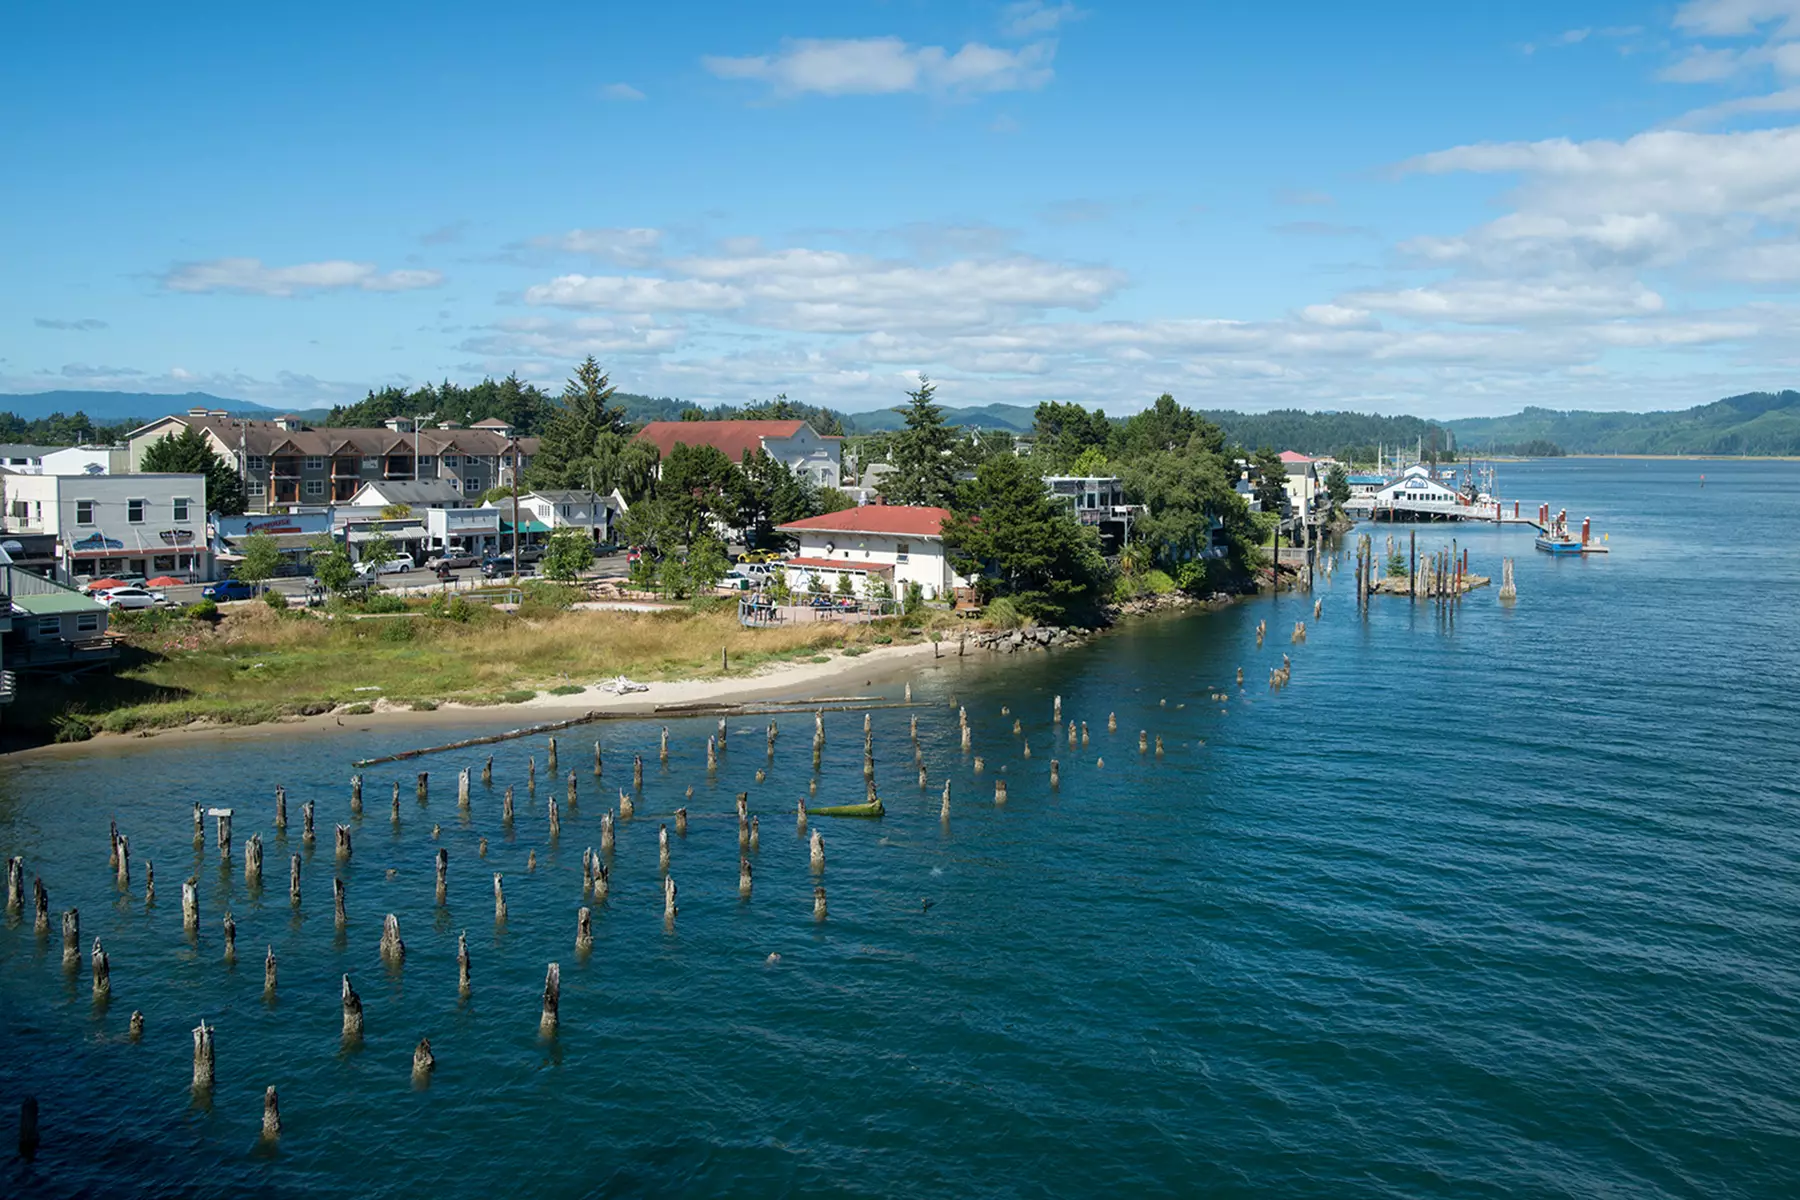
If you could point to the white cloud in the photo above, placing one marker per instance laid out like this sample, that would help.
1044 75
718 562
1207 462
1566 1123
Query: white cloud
620 91
634 293
78 325
251 276
1702 65
626 247
1509 302
1034 18
884 65
1737 18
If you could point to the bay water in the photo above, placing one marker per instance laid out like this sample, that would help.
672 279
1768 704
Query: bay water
1494 904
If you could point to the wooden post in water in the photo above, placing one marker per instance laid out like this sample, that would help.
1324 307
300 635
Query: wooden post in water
722 735
571 791
681 822
597 760
506 807
190 905
393 950
462 963
203 1058
280 807
1000 791
584 930
817 851
637 771
396 817
353 1012
124 863
662 848
294 881
41 901
269 973
499 901
271 1126
462 789
149 882
819 910
550 758
443 875
343 842
199 826
424 786
606 833
15 884
306 823
253 860
356 794
102 974
487 771
1412 569
223 834
230 937
71 929
552 1001
555 820
337 904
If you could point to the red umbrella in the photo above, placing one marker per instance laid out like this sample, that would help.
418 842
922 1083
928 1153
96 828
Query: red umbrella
166 581
100 585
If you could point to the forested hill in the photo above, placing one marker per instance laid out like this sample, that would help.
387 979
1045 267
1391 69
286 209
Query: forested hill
1754 423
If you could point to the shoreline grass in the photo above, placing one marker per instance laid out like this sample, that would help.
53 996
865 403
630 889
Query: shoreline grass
257 664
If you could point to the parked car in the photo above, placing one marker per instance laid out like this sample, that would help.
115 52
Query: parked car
131 598
452 560
502 567
228 589
393 566
759 556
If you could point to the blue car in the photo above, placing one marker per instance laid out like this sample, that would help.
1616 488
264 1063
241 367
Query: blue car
229 589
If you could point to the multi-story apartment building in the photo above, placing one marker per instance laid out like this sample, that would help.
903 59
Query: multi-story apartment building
285 462
113 524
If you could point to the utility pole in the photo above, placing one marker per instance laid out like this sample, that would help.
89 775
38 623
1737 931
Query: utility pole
515 508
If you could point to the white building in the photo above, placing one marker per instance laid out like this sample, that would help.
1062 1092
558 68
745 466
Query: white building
896 544
1416 491
417 495
65 460
568 508
115 524
1305 487
471 530
790 443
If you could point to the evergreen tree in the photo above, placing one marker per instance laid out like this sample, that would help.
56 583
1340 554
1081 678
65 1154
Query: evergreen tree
190 452
1271 480
585 436
1030 547
924 465
1337 485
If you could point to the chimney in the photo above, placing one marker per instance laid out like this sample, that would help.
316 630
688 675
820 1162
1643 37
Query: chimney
288 422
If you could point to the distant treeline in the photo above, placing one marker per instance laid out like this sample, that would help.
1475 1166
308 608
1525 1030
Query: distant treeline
1754 423
61 429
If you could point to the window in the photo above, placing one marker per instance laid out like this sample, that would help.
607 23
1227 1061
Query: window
426 462
84 512
134 511
315 462
37 511
900 552
450 460
472 487
49 626
180 507
371 462
315 487
254 488
255 462
87 623
19 510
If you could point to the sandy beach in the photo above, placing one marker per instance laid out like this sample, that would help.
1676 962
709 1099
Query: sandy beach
881 666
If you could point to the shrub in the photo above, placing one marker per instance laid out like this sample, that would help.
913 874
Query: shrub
1002 613
517 696
820 658
201 610
396 631
1157 583
361 709
72 726
447 606
383 602
882 639
422 705
566 689
274 599
855 651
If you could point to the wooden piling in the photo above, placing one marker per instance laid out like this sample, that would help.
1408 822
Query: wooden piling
253 861
1055 774
337 904
424 1061
597 760
190 905
637 772
230 924
819 910
353 1012
199 826
124 865
547 1023
269 973
506 807
396 816
343 842
443 875
271 1126
555 820
499 901
15 884
999 791
102 967
662 848
294 881
393 950
462 789
550 757
816 855
134 1028
71 929
572 804
424 787
203 1058
462 963
222 835
280 807
606 833
306 823
681 822
356 795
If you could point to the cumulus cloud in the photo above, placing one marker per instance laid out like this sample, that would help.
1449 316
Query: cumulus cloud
884 65
1034 18
1508 302
251 276
1738 18
620 91
79 325
624 247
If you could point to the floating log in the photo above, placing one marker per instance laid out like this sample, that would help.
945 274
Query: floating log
443 875
353 1012
102 973
462 963
499 901
552 1000
818 903
294 881
203 1057
486 740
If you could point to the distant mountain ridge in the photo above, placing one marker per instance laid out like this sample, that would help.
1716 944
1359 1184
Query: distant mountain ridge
105 408
1753 423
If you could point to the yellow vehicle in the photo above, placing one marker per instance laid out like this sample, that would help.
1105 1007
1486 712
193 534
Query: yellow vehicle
759 556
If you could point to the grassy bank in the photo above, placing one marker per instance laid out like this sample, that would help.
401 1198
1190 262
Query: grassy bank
257 664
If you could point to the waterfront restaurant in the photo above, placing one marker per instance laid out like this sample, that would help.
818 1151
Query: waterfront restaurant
895 544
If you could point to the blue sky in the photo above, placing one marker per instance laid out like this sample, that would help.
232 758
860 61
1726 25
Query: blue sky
1407 207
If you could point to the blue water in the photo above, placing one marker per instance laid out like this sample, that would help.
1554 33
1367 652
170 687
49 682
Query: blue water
1503 905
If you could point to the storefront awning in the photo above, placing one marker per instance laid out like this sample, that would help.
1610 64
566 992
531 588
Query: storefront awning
403 533
285 542
526 526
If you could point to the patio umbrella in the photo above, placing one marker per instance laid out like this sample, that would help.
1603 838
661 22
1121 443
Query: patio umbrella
166 581
100 585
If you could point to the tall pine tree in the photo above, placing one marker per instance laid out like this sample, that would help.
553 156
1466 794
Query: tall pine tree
923 454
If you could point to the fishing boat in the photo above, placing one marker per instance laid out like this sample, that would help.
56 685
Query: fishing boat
1556 538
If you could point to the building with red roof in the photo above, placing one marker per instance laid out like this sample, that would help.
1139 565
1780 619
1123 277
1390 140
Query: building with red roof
794 444
877 544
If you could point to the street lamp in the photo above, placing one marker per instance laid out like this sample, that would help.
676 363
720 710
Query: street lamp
416 419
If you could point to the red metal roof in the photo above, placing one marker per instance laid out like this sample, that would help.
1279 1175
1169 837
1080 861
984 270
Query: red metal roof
839 564
733 438
904 520
1292 456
